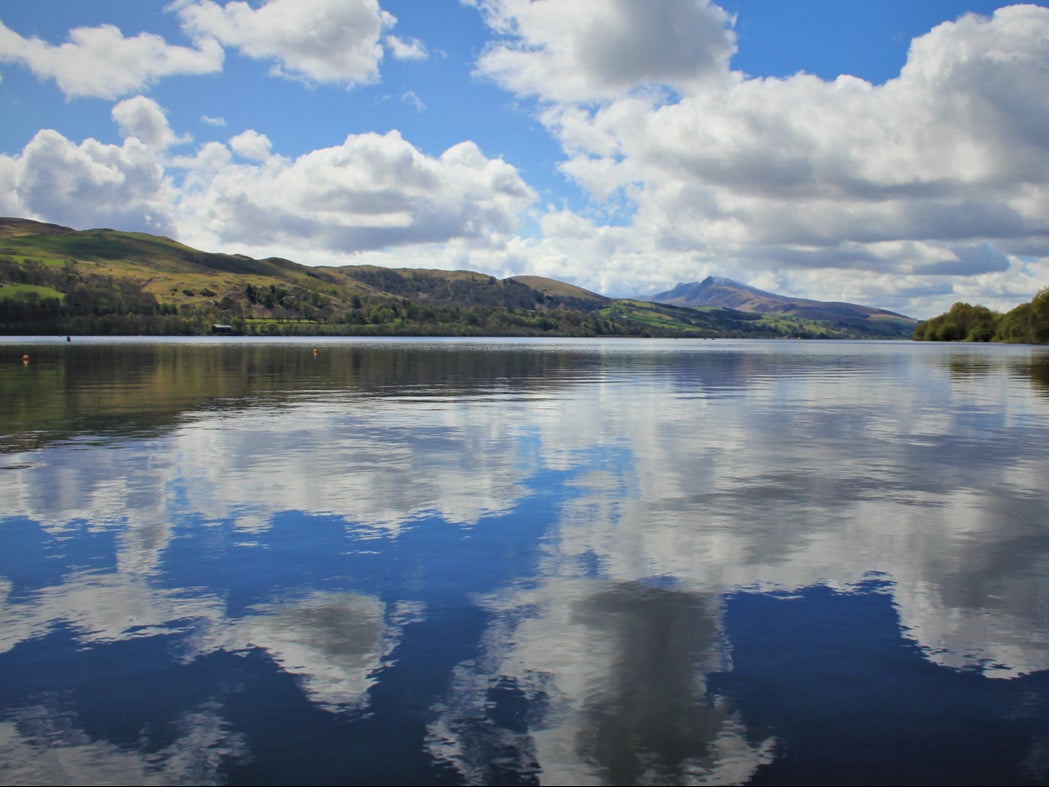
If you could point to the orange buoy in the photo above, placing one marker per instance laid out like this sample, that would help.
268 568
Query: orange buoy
314 350
25 360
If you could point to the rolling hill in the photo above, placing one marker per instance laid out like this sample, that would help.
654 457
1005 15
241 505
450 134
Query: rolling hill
57 280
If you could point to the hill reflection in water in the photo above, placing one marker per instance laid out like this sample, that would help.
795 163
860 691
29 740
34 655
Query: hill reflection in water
517 562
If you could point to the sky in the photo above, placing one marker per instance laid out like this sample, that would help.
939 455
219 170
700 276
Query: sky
887 152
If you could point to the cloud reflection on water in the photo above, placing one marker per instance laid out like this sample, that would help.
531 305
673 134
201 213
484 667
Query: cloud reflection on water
335 642
684 476
619 671
44 745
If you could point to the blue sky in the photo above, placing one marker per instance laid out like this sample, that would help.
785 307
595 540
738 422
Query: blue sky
888 153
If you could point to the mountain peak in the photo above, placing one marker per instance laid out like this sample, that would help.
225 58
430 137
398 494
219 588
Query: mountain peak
721 292
712 291
723 281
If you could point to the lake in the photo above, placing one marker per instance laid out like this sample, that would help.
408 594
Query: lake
398 561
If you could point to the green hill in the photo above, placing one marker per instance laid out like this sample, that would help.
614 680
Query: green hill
57 280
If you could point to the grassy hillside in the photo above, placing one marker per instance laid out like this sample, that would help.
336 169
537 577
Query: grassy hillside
55 280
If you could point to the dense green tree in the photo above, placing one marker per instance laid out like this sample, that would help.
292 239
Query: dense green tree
1027 323
963 322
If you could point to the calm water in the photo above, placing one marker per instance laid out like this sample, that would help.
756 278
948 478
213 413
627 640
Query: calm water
446 562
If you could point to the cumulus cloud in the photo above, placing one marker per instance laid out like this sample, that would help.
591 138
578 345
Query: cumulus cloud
337 41
251 145
893 194
372 191
89 184
791 180
146 120
582 49
100 62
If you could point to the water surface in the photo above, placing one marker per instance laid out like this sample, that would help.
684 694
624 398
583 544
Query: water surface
519 562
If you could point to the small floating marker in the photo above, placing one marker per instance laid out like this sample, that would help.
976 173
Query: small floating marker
314 350
25 360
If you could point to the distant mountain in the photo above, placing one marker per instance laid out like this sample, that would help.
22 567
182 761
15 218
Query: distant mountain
715 291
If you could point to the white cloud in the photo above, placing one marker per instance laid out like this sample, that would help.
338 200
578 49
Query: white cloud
335 41
939 173
406 49
100 62
371 192
213 121
88 184
897 193
582 49
146 120
251 145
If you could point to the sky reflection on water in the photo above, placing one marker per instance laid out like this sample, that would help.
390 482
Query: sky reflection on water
531 562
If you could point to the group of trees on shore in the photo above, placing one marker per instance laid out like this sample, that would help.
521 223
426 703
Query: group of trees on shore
1028 323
